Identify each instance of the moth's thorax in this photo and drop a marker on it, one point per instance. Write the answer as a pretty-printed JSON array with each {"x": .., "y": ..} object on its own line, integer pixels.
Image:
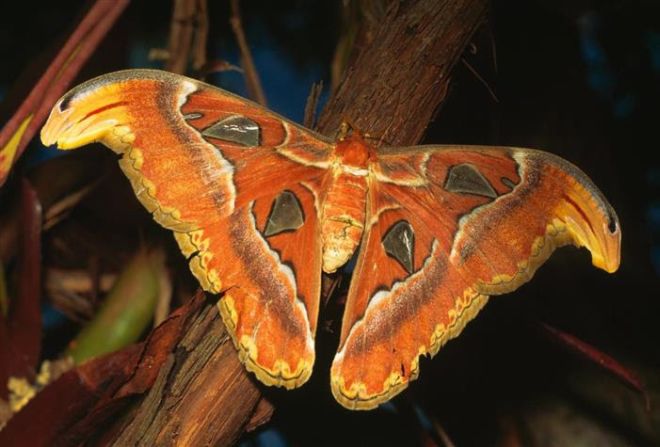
[
  {"x": 343, "y": 210},
  {"x": 353, "y": 151}
]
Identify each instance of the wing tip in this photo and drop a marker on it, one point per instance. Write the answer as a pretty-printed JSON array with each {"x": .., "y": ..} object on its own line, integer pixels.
[
  {"x": 589, "y": 217},
  {"x": 593, "y": 227},
  {"x": 93, "y": 110}
]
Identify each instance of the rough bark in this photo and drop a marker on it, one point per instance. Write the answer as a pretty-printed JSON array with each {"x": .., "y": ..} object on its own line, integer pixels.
[
  {"x": 203, "y": 395},
  {"x": 396, "y": 83}
]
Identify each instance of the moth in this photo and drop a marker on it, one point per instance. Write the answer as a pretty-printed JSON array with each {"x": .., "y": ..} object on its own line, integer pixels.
[{"x": 261, "y": 206}]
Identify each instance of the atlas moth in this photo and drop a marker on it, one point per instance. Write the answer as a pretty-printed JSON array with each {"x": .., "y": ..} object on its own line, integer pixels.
[{"x": 261, "y": 206}]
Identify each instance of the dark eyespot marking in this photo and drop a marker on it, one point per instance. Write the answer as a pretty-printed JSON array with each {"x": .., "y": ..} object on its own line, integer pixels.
[
  {"x": 466, "y": 179},
  {"x": 399, "y": 243},
  {"x": 66, "y": 100},
  {"x": 236, "y": 129},
  {"x": 286, "y": 214},
  {"x": 612, "y": 223}
]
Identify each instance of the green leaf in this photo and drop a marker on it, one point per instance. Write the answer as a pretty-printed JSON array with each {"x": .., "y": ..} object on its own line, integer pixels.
[{"x": 127, "y": 311}]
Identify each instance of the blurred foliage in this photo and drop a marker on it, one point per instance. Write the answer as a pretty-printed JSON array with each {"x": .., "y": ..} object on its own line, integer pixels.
[{"x": 127, "y": 310}]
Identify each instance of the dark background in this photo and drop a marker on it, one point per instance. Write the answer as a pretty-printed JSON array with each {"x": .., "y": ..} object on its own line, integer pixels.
[{"x": 577, "y": 78}]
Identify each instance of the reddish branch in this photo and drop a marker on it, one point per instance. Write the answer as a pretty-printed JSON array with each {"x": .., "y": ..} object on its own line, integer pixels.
[{"x": 20, "y": 328}]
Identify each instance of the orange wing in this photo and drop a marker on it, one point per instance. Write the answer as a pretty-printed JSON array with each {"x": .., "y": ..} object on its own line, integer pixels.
[
  {"x": 208, "y": 165},
  {"x": 447, "y": 227}
]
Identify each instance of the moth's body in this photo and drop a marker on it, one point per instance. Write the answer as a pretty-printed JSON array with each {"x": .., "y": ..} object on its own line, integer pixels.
[
  {"x": 261, "y": 206},
  {"x": 344, "y": 203}
]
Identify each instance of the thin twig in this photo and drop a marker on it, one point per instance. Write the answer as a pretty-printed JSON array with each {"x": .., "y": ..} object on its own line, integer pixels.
[
  {"x": 188, "y": 35},
  {"x": 600, "y": 358},
  {"x": 181, "y": 35},
  {"x": 201, "y": 35},
  {"x": 480, "y": 79},
  {"x": 251, "y": 75},
  {"x": 61, "y": 208},
  {"x": 163, "y": 304},
  {"x": 442, "y": 434},
  {"x": 493, "y": 48},
  {"x": 312, "y": 104},
  {"x": 216, "y": 66}
]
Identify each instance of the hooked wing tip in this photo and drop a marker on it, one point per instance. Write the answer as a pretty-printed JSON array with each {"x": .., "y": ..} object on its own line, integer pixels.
[{"x": 607, "y": 255}]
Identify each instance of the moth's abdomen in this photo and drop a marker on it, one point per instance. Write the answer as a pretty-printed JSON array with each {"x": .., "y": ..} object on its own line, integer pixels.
[{"x": 342, "y": 218}]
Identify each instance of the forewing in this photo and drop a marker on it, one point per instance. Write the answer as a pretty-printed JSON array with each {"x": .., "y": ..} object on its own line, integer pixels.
[
  {"x": 214, "y": 168},
  {"x": 476, "y": 222}
]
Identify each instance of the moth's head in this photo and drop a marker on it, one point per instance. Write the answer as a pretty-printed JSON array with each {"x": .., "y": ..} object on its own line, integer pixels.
[
  {"x": 346, "y": 130},
  {"x": 353, "y": 149}
]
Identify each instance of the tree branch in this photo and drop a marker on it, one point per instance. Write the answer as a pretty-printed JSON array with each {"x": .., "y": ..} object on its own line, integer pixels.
[
  {"x": 397, "y": 83},
  {"x": 202, "y": 395}
]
